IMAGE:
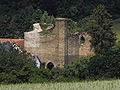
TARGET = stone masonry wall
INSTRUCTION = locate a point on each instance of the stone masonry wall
(73, 48)
(50, 47)
(85, 48)
(59, 47)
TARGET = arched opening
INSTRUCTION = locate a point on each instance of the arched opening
(82, 39)
(50, 65)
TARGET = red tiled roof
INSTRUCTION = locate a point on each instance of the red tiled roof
(19, 42)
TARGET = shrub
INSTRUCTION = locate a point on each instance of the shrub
(81, 67)
(13, 66)
(66, 74)
(106, 66)
(3, 78)
(40, 75)
(14, 60)
(74, 72)
(13, 77)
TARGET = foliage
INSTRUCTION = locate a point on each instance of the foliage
(4, 24)
(72, 26)
(100, 30)
(40, 75)
(14, 70)
(13, 60)
(3, 78)
(17, 16)
(17, 67)
(45, 18)
(83, 23)
(22, 21)
(26, 75)
(66, 74)
(74, 72)
(106, 66)
(116, 29)
(61, 8)
(45, 32)
(81, 67)
(92, 67)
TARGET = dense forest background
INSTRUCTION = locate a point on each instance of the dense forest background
(60, 8)
(17, 16)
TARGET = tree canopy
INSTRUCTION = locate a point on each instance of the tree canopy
(100, 30)
(16, 16)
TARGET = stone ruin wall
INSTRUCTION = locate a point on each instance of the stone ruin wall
(49, 47)
(73, 48)
(85, 48)
(59, 47)
(77, 49)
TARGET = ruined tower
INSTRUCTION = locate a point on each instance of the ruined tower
(59, 47)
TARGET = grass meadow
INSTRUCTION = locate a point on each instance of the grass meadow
(84, 85)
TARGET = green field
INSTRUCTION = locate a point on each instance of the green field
(116, 28)
(86, 85)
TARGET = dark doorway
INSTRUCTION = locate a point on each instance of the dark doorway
(82, 39)
(50, 65)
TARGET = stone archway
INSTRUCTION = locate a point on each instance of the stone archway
(82, 39)
(50, 65)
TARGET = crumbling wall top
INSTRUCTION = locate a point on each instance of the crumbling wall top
(61, 19)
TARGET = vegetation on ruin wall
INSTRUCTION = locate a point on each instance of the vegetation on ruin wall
(14, 27)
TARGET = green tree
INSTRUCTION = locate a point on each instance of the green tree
(13, 59)
(23, 21)
(72, 26)
(105, 66)
(4, 24)
(100, 30)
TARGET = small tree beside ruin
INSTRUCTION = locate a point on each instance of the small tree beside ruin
(100, 30)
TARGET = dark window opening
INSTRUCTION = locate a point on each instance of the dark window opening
(50, 65)
(82, 39)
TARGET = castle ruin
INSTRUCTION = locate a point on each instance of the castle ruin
(58, 48)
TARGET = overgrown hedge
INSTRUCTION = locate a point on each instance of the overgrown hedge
(104, 66)
(107, 65)
(16, 68)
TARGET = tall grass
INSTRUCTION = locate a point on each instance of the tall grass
(86, 85)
